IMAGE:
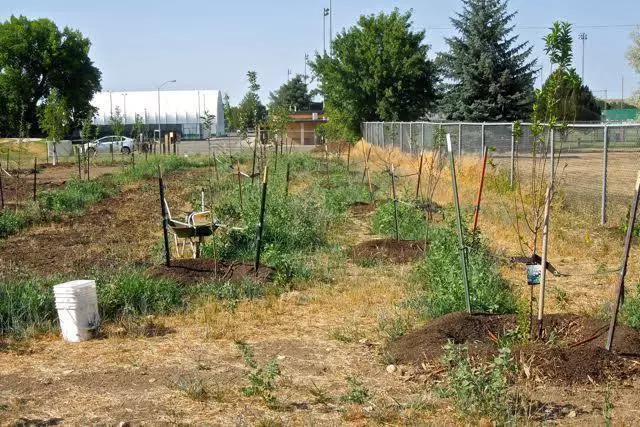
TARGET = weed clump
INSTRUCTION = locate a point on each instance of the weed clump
(478, 391)
(439, 276)
(412, 225)
(262, 378)
(26, 307)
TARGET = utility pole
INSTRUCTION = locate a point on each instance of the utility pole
(330, 29)
(583, 37)
(288, 74)
(325, 13)
(306, 59)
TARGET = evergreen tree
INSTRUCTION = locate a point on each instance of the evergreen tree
(292, 95)
(379, 71)
(488, 74)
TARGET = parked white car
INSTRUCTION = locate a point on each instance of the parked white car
(120, 144)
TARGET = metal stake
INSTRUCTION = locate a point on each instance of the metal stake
(623, 270)
(165, 220)
(476, 210)
(456, 201)
(395, 200)
(263, 202)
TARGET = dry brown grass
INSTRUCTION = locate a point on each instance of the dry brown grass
(319, 333)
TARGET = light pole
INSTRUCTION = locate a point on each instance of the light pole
(330, 28)
(325, 13)
(160, 87)
(306, 59)
(124, 107)
(583, 37)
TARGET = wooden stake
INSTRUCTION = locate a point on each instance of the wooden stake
(623, 270)
(1, 188)
(79, 164)
(165, 220)
(365, 172)
(371, 196)
(263, 202)
(395, 201)
(476, 210)
(456, 202)
(419, 175)
(35, 177)
(545, 245)
(286, 193)
(239, 184)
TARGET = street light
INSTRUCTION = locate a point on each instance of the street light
(160, 87)
(325, 12)
(583, 37)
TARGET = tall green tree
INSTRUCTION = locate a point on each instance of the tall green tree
(37, 57)
(251, 112)
(566, 98)
(292, 95)
(487, 71)
(379, 71)
(633, 56)
(55, 120)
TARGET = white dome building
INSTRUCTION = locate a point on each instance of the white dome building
(175, 110)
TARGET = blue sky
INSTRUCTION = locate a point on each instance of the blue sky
(210, 44)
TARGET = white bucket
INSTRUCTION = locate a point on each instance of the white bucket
(77, 306)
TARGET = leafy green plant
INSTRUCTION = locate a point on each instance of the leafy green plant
(262, 378)
(478, 391)
(357, 393)
(440, 278)
(412, 224)
(75, 196)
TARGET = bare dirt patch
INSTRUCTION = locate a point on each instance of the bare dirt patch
(388, 250)
(194, 271)
(572, 350)
(362, 208)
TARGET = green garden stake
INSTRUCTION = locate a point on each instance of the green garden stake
(263, 203)
(395, 201)
(456, 202)
(165, 219)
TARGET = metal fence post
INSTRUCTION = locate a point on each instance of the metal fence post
(459, 139)
(422, 135)
(482, 139)
(513, 150)
(605, 161)
(383, 141)
(401, 138)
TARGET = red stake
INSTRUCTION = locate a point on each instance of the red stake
(476, 210)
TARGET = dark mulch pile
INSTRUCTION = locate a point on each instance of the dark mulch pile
(193, 271)
(571, 351)
(389, 250)
(361, 208)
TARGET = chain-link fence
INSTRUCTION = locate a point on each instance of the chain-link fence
(597, 164)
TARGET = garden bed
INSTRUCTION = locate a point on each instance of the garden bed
(194, 271)
(572, 350)
(389, 250)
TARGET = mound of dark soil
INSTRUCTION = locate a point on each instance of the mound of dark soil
(389, 250)
(571, 351)
(193, 271)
